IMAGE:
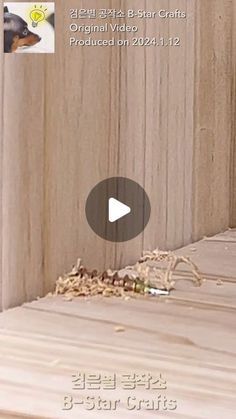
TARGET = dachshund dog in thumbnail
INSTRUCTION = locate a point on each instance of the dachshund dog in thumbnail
(17, 33)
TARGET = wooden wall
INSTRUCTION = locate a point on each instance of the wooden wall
(212, 116)
(233, 136)
(162, 117)
(1, 156)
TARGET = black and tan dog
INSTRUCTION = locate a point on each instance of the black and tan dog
(16, 32)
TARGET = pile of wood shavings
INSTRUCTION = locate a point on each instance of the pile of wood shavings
(82, 282)
(162, 276)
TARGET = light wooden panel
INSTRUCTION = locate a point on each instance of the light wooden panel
(233, 138)
(81, 130)
(161, 116)
(212, 117)
(22, 178)
(156, 127)
(1, 153)
(188, 337)
(142, 122)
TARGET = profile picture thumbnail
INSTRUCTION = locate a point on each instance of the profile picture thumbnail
(29, 27)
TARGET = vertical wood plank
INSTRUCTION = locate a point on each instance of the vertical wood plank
(180, 128)
(1, 146)
(159, 127)
(211, 191)
(82, 141)
(233, 120)
(22, 174)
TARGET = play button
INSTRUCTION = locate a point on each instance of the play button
(117, 209)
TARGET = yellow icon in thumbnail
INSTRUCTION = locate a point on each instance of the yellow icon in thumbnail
(37, 15)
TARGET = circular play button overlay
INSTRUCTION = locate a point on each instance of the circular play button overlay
(118, 209)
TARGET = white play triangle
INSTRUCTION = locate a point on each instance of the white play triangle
(117, 210)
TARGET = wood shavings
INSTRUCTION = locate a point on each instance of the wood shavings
(148, 273)
(163, 277)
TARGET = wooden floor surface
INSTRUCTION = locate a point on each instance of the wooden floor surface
(188, 338)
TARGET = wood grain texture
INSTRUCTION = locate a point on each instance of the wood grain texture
(191, 344)
(233, 138)
(213, 117)
(160, 116)
(131, 125)
(22, 178)
(81, 129)
(188, 337)
(1, 153)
